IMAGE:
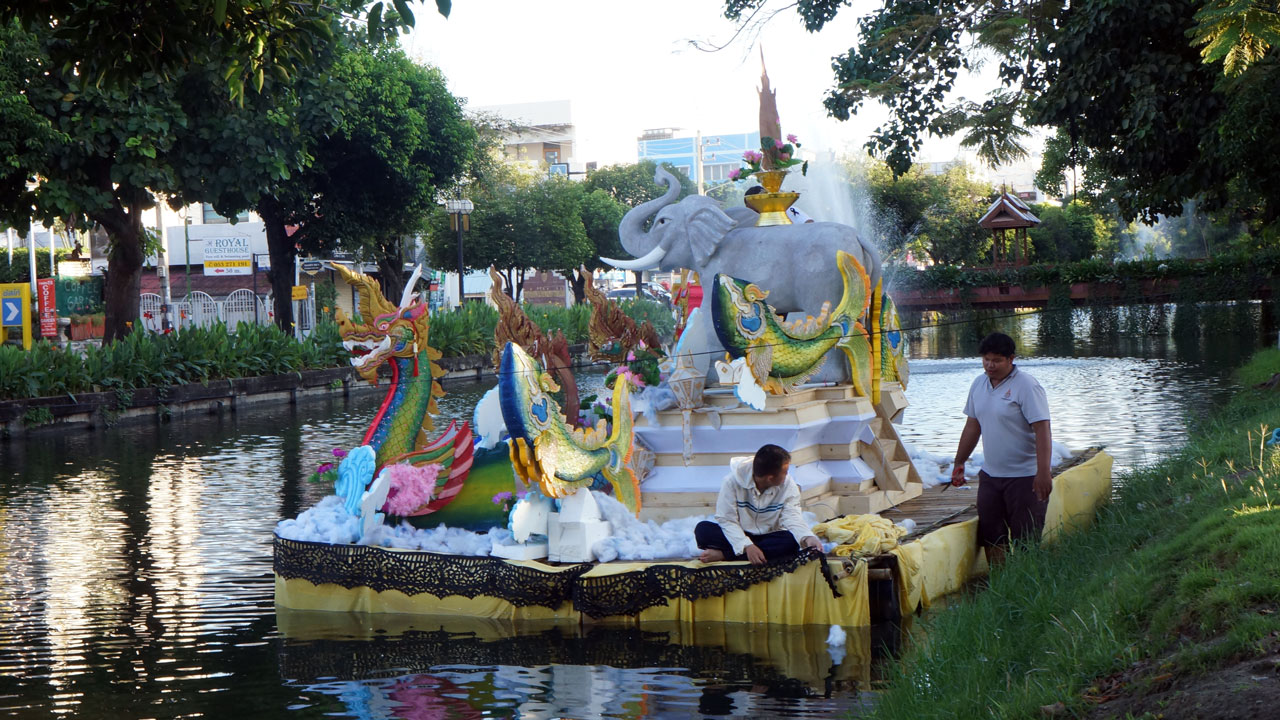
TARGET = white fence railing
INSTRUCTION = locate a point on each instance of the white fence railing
(199, 309)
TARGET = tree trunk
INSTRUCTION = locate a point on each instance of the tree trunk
(519, 285)
(391, 268)
(639, 279)
(578, 281)
(283, 251)
(122, 291)
(511, 282)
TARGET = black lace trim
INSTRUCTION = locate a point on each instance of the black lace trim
(417, 572)
(630, 593)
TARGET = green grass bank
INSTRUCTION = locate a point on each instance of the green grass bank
(1169, 607)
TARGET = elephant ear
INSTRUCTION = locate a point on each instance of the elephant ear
(707, 226)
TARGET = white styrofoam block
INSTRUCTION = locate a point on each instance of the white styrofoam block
(372, 501)
(529, 516)
(575, 540)
(579, 507)
(520, 551)
(572, 541)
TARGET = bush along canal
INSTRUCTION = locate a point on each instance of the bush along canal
(1168, 608)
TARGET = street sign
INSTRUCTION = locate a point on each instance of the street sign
(227, 256)
(11, 311)
(15, 298)
(312, 266)
(545, 288)
(299, 292)
(48, 307)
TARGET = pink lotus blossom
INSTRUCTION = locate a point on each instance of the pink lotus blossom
(411, 487)
(735, 173)
(784, 156)
(501, 497)
(752, 156)
(339, 453)
(777, 144)
(324, 468)
(792, 139)
(635, 380)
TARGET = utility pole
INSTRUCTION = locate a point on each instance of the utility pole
(31, 258)
(164, 250)
(699, 144)
(697, 162)
(186, 236)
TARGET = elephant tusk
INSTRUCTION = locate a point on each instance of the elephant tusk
(650, 260)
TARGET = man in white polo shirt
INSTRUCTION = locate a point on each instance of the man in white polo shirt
(1008, 409)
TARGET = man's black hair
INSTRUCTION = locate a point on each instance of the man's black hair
(997, 343)
(769, 460)
(753, 190)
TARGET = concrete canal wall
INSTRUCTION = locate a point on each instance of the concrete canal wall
(161, 404)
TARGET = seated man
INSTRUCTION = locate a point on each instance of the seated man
(757, 512)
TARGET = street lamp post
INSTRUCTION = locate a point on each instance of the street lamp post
(459, 209)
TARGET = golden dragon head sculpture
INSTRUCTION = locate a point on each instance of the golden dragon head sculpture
(384, 330)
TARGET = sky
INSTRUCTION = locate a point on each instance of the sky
(629, 66)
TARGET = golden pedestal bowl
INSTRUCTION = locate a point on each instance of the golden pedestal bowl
(772, 207)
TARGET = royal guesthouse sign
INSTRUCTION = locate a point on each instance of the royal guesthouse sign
(227, 255)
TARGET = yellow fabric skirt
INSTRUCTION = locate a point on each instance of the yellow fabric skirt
(798, 598)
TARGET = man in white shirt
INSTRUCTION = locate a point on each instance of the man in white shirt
(758, 515)
(1008, 409)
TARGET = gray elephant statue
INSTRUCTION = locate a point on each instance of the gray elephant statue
(795, 263)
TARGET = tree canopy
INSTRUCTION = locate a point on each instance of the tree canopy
(521, 221)
(632, 183)
(107, 151)
(253, 42)
(375, 180)
(1154, 98)
(933, 217)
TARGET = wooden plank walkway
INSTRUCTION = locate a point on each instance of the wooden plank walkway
(936, 508)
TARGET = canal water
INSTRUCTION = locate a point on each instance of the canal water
(136, 578)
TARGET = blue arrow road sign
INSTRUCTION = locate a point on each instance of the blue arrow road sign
(11, 311)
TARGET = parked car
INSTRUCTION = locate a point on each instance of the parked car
(629, 293)
(659, 292)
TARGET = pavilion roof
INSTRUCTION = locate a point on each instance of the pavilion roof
(1008, 211)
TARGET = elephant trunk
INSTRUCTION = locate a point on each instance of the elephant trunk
(631, 230)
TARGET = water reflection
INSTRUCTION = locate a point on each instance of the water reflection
(459, 667)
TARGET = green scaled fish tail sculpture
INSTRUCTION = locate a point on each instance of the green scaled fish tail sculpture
(547, 450)
(781, 356)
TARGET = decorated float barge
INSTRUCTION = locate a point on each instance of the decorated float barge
(542, 510)
(661, 465)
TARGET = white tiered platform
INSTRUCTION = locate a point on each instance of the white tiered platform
(845, 453)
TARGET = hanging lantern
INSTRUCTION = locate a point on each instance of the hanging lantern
(687, 384)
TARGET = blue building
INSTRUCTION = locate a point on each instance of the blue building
(720, 153)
